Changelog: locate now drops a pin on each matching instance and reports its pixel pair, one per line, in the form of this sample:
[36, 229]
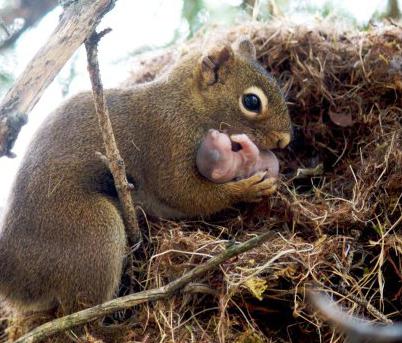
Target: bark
[76, 24]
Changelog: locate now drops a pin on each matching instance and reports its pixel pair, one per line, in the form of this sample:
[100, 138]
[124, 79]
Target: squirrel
[221, 158]
[62, 238]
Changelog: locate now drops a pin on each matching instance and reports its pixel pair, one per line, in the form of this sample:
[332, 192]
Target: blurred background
[143, 28]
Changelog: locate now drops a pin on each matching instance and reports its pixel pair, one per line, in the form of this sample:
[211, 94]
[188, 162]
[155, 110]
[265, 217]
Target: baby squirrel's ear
[213, 62]
[245, 47]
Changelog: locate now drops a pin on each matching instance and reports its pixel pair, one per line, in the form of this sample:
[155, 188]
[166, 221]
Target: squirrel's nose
[284, 139]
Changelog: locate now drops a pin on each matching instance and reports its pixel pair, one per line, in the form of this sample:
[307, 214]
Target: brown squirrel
[62, 239]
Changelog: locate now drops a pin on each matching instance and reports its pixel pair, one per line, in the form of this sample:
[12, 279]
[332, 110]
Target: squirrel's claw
[254, 188]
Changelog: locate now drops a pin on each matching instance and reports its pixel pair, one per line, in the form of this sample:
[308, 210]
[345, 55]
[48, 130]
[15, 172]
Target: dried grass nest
[336, 221]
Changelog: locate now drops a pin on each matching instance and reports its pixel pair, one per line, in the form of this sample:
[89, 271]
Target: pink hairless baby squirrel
[217, 161]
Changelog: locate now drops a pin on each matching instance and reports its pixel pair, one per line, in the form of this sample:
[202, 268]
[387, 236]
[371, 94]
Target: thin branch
[131, 300]
[114, 160]
[78, 21]
[357, 330]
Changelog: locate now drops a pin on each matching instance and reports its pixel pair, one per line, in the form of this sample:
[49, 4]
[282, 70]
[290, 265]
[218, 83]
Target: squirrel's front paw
[254, 188]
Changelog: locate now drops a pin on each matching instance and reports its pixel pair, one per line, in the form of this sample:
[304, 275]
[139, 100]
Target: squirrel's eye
[251, 102]
[254, 103]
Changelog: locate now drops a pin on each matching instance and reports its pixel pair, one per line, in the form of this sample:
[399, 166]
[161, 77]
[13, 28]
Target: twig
[365, 304]
[76, 24]
[357, 330]
[114, 160]
[131, 300]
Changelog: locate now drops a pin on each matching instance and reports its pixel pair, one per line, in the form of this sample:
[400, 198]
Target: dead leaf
[257, 287]
[341, 119]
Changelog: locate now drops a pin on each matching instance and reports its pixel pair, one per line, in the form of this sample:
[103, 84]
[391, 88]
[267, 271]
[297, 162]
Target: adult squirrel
[62, 239]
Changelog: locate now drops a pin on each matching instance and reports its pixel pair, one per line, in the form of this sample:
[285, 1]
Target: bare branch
[358, 330]
[76, 24]
[114, 160]
[131, 300]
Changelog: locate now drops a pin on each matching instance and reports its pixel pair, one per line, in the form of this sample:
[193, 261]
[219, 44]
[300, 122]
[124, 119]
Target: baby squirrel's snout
[215, 135]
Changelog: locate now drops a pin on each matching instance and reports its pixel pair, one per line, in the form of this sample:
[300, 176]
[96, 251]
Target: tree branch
[114, 162]
[357, 329]
[131, 300]
[78, 21]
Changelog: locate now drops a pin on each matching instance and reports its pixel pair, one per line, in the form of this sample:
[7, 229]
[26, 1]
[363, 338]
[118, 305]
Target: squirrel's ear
[213, 62]
[245, 47]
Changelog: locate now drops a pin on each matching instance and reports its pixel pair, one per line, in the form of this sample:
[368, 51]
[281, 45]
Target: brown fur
[62, 241]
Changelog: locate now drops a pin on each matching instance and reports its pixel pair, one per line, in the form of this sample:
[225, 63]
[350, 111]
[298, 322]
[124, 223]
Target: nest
[336, 220]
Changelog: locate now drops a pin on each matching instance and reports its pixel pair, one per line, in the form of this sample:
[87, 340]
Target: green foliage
[327, 10]
[192, 12]
[199, 12]
[6, 81]
[392, 11]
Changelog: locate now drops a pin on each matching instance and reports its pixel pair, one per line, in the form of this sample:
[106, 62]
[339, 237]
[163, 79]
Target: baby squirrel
[218, 160]
[62, 238]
